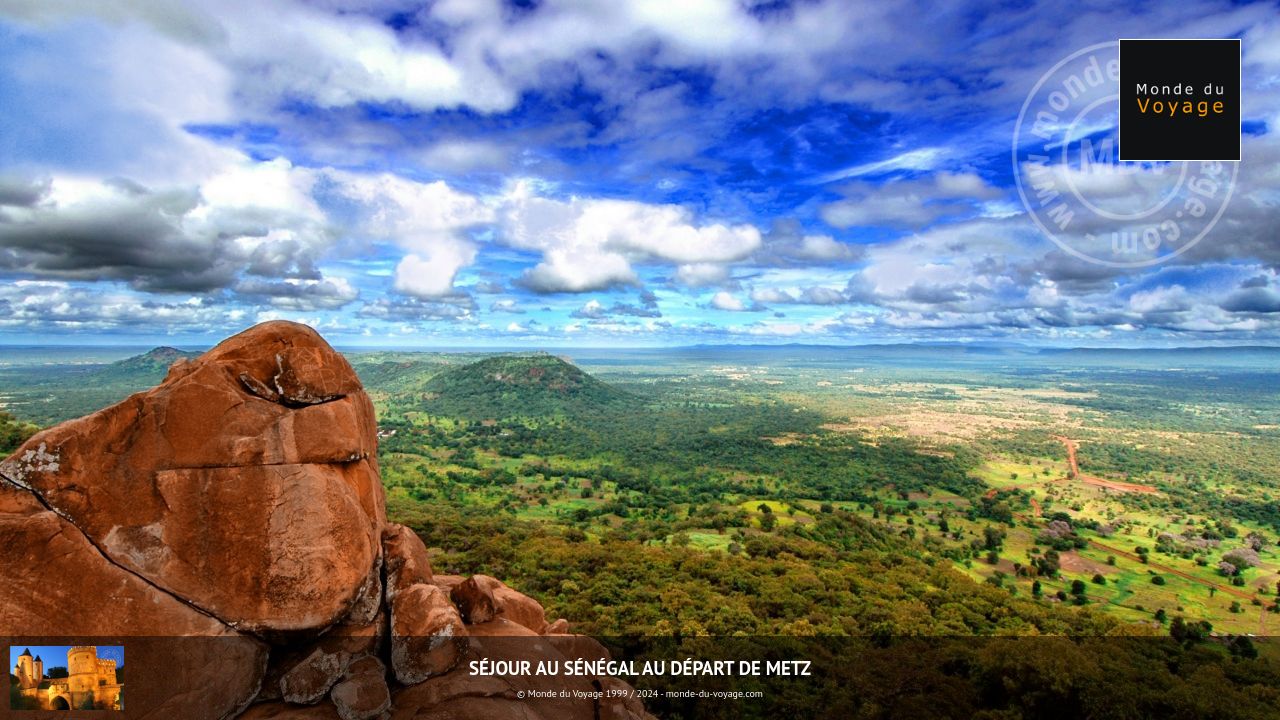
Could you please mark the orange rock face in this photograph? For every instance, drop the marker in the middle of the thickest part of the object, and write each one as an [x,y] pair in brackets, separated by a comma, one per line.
[55,583]
[229,526]
[263,509]
[482,598]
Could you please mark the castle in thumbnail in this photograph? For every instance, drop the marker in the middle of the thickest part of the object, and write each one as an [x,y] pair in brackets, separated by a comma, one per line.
[90,682]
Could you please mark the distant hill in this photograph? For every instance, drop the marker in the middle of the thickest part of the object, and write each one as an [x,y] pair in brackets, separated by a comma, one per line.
[143,370]
[512,385]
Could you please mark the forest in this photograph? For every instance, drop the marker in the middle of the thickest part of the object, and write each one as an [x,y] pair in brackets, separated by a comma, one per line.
[776,504]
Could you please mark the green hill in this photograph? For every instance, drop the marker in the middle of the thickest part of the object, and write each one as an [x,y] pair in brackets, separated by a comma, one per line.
[519,385]
[142,371]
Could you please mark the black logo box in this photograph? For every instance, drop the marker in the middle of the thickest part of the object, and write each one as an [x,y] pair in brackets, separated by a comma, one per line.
[1185,65]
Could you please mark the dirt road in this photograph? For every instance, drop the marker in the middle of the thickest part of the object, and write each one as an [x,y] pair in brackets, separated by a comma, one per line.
[1097,481]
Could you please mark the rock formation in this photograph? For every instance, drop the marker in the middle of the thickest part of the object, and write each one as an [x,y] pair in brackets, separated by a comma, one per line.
[228,528]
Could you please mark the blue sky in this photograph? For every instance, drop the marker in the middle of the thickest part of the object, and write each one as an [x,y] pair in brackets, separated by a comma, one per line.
[593,173]
[56,655]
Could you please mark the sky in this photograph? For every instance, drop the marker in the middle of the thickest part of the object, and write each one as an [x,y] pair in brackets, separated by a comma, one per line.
[56,655]
[589,173]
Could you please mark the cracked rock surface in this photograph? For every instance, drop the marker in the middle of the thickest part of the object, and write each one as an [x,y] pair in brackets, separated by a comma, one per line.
[229,528]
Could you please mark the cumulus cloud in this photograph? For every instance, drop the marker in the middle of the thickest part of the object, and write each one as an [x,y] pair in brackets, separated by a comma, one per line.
[724,300]
[412,309]
[909,203]
[697,275]
[773,296]
[431,274]
[54,306]
[1253,300]
[299,294]
[157,96]
[590,310]
[22,192]
[589,244]
[818,295]
[564,270]
[254,218]
[787,245]
[465,155]
[595,310]
[812,295]
[506,305]
[430,220]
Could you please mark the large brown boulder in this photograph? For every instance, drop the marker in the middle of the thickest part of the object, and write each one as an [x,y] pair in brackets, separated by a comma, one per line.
[246,483]
[55,583]
[427,634]
[311,677]
[228,526]
[406,558]
[363,693]
[481,598]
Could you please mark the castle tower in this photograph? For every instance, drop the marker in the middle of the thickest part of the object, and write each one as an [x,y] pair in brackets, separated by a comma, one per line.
[38,671]
[25,669]
[82,670]
[106,672]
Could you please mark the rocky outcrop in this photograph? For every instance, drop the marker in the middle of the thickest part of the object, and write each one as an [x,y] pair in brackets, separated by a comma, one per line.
[265,512]
[228,526]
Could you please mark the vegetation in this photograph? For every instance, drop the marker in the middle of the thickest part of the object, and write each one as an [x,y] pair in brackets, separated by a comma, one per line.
[871,495]
[13,432]
[518,386]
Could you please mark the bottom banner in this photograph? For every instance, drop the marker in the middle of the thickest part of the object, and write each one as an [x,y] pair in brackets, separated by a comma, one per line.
[557,676]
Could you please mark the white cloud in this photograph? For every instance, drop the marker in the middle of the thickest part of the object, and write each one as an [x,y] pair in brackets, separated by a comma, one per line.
[591,309]
[37,305]
[505,305]
[431,274]
[464,156]
[427,219]
[250,217]
[1173,298]
[771,296]
[919,159]
[727,301]
[909,203]
[589,244]
[566,270]
[696,275]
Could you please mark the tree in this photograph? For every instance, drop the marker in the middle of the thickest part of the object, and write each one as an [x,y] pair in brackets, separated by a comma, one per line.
[1241,646]
[1189,633]
[1098,579]
[768,521]
[992,538]
[1157,580]
[18,701]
